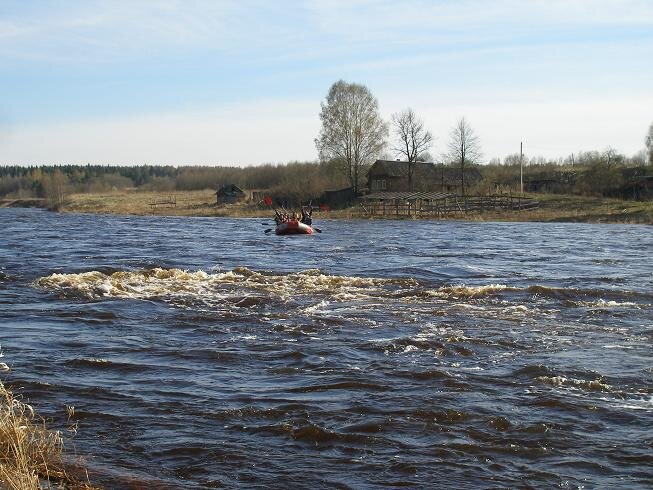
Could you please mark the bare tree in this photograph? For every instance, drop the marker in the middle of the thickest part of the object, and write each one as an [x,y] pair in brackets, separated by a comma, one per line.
[414,140]
[649,144]
[353,132]
[464,148]
[55,187]
[611,157]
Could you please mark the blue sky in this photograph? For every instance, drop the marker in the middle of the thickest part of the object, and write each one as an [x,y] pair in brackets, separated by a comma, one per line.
[240,82]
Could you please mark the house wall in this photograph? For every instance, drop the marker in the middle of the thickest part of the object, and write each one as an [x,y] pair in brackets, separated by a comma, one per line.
[229,198]
[338,198]
[434,178]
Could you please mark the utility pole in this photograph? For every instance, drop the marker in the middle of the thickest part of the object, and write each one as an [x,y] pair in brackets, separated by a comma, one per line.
[521,166]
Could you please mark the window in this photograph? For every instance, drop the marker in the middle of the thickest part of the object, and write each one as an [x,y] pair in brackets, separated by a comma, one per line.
[378,184]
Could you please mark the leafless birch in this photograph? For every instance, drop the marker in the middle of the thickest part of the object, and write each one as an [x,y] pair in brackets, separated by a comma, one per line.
[413,139]
[353,133]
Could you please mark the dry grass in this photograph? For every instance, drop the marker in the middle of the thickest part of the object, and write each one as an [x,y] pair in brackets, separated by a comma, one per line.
[30,454]
[136,202]
[554,207]
[581,209]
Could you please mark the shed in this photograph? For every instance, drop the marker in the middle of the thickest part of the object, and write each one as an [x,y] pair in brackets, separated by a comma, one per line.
[229,194]
[340,198]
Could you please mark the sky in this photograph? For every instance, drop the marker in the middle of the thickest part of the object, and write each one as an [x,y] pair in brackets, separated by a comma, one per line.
[221,82]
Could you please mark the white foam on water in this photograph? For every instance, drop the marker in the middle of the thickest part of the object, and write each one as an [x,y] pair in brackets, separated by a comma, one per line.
[635,404]
[562,381]
[462,291]
[181,284]
[608,304]
[318,308]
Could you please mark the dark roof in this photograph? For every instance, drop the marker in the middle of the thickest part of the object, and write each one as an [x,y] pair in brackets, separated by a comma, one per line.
[432,196]
[426,170]
[230,189]
[452,174]
[397,168]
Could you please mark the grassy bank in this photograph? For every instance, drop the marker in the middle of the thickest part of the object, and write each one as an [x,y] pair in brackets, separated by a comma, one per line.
[580,209]
[31,456]
[553,208]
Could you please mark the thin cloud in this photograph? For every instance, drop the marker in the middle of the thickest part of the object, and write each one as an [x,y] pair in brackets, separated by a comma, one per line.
[73,72]
[110,31]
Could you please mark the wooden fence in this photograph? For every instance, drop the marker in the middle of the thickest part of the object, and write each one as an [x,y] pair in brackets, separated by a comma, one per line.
[444,206]
[169,201]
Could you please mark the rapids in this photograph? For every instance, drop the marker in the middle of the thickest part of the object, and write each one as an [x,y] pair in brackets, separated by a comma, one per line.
[202,353]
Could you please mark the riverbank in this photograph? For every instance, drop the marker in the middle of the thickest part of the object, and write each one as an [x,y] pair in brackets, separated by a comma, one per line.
[553,208]
[32,202]
[579,209]
[31,456]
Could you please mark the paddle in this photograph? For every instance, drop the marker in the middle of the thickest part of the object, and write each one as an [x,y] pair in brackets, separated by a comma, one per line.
[317,229]
[267,231]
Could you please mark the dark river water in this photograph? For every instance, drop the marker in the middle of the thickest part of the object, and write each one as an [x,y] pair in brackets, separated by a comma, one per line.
[201,353]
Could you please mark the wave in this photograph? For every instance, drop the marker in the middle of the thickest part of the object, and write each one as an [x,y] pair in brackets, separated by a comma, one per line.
[606,298]
[462,292]
[243,288]
[157,282]
[590,385]
[105,364]
[343,385]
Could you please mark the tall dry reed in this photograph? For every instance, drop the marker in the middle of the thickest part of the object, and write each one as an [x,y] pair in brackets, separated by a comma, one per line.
[30,454]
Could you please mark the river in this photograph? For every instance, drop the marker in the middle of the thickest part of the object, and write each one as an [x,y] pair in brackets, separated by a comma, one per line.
[202,353]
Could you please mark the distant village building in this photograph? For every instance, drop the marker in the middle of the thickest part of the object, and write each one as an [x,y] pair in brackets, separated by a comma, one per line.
[638,184]
[551,180]
[229,194]
[392,176]
[639,188]
[340,198]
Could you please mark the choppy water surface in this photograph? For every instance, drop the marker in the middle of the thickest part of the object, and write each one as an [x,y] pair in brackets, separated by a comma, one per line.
[202,353]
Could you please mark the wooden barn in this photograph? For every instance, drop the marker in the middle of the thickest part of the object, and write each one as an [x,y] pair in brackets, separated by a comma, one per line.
[229,194]
[392,176]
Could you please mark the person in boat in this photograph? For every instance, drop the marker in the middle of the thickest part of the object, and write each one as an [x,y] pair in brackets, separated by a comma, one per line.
[280,217]
[307,213]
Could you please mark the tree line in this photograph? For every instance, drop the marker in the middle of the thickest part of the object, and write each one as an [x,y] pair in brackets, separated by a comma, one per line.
[600,173]
[292,182]
[352,136]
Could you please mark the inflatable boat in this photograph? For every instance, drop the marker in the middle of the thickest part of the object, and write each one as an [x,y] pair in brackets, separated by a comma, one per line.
[293,227]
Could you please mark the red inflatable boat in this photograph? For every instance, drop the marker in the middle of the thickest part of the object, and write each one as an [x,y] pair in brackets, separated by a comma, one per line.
[293,227]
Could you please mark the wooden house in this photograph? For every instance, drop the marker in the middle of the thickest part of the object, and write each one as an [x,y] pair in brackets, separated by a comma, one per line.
[392,176]
[550,180]
[229,194]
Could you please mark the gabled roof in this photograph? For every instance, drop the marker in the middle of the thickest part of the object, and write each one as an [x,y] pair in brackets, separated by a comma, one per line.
[398,168]
[230,189]
[425,170]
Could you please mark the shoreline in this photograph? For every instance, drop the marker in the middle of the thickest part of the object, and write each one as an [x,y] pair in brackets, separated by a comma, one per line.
[553,208]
